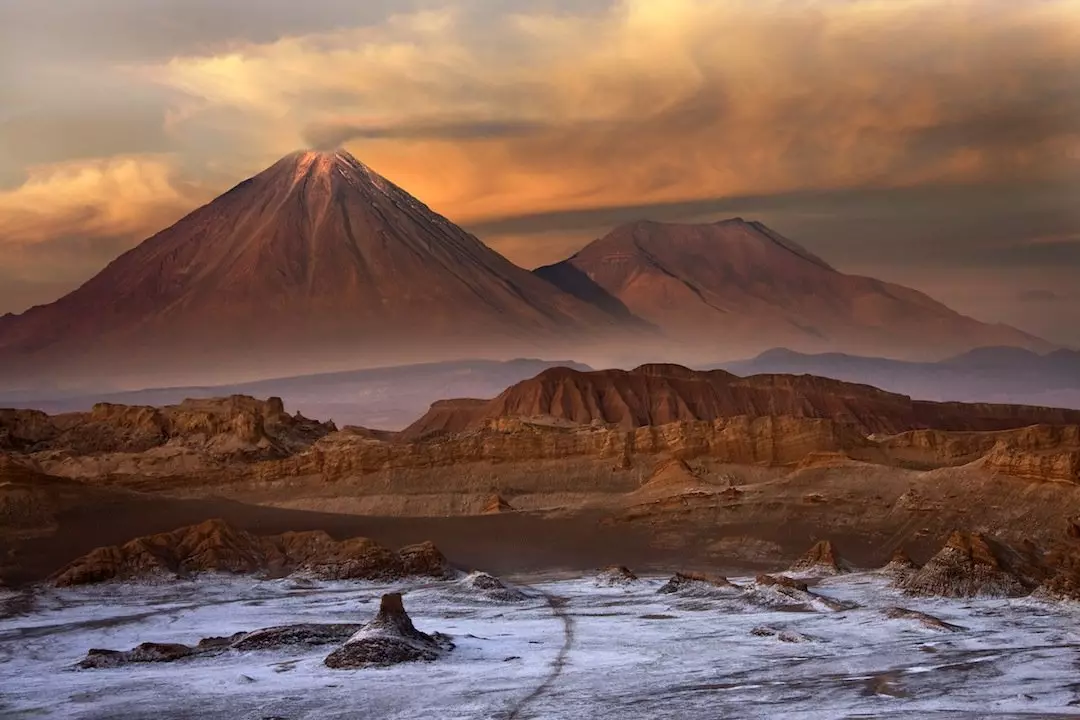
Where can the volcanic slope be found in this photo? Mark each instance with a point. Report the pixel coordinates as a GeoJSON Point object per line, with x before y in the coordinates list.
{"type": "Point", "coordinates": [317, 256]}
{"type": "Point", "coordinates": [739, 286]}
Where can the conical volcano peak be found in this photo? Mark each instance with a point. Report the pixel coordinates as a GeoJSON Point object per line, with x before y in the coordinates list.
{"type": "Point", "coordinates": [324, 162]}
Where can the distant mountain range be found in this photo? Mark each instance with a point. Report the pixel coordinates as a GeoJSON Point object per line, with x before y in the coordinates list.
{"type": "Point", "coordinates": [318, 263]}
{"type": "Point", "coordinates": [990, 374]}
{"type": "Point", "coordinates": [384, 398]}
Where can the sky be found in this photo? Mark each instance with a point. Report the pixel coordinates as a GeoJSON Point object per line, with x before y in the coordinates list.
{"type": "Point", "coordinates": [931, 143]}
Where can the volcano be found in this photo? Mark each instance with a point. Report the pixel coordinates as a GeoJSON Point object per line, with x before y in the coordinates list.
{"type": "Point", "coordinates": [738, 285]}
{"type": "Point", "coordinates": [317, 259]}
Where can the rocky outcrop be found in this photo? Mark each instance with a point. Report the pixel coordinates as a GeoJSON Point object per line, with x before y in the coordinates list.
{"type": "Point", "coordinates": [273, 638]}
{"type": "Point", "coordinates": [696, 584]}
{"type": "Point", "coordinates": [481, 585]}
{"type": "Point", "coordinates": [189, 436]}
{"type": "Point", "coordinates": [742, 440]}
{"type": "Point", "coordinates": [663, 394]}
{"type": "Point", "coordinates": [496, 505]}
{"type": "Point", "coordinates": [308, 634]}
{"type": "Point", "coordinates": [389, 639]}
{"type": "Point", "coordinates": [788, 636]}
{"type": "Point", "coordinates": [971, 565]}
{"type": "Point", "coordinates": [927, 621]}
{"type": "Point", "coordinates": [214, 546]}
{"type": "Point", "coordinates": [820, 560]}
{"type": "Point", "coordinates": [148, 652]}
{"type": "Point", "coordinates": [781, 591]}
{"type": "Point", "coordinates": [900, 566]}
{"type": "Point", "coordinates": [615, 576]}
{"type": "Point", "coordinates": [1042, 453]}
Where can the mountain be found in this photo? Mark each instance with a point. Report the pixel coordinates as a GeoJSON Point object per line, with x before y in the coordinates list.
{"type": "Point", "coordinates": [317, 258]}
{"type": "Point", "coordinates": [387, 398]}
{"type": "Point", "coordinates": [993, 374]}
{"type": "Point", "coordinates": [740, 287]}
{"type": "Point", "coordinates": [654, 395]}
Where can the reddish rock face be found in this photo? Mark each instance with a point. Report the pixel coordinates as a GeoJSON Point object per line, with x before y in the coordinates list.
{"type": "Point", "coordinates": [654, 395]}
{"type": "Point", "coordinates": [756, 289]}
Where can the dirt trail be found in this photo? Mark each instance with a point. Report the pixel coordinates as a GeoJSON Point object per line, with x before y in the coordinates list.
{"type": "Point", "coordinates": [558, 608]}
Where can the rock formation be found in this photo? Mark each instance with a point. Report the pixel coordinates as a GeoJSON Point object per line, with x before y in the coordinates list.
{"type": "Point", "coordinates": [927, 621]}
{"type": "Point", "coordinates": [820, 560]}
{"type": "Point", "coordinates": [971, 565]}
{"type": "Point", "coordinates": [214, 546]}
{"type": "Point", "coordinates": [307, 634]}
{"type": "Point", "coordinates": [781, 591]}
{"type": "Point", "coordinates": [488, 587]}
{"type": "Point", "coordinates": [389, 639]}
{"type": "Point", "coordinates": [788, 636]}
{"type": "Point", "coordinates": [900, 565]}
{"type": "Point", "coordinates": [615, 576]}
{"type": "Point", "coordinates": [174, 438]}
{"type": "Point", "coordinates": [696, 584]}
{"type": "Point", "coordinates": [148, 652]}
{"type": "Point", "coordinates": [653, 395]}
{"type": "Point", "coordinates": [495, 505]}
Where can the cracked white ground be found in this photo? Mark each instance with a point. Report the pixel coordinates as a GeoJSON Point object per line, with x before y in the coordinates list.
{"type": "Point", "coordinates": [574, 650]}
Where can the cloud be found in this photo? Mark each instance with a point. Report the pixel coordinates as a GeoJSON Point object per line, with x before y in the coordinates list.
{"type": "Point", "coordinates": [643, 102]}
{"type": "Point", "coordinates": [69, 219]}
{"type": "Point", "coordinates": [329, 135]}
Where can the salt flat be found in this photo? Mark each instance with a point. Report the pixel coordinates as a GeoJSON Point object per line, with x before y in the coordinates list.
{"type": "Point", "coordinates": [572, 650]}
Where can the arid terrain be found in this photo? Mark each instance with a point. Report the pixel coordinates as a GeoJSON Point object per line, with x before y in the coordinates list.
{"type": "Point", "coordinates": [236, 550]}
{"type": "Point", "coordinates": [705, 467]}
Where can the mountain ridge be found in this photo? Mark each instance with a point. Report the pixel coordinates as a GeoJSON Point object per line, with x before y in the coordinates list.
{"type": "Point", "coordinates": [753, 287]}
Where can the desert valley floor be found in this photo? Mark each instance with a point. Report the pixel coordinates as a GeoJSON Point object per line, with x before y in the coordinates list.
{"type": "Point", "coordinates": [570, 648]}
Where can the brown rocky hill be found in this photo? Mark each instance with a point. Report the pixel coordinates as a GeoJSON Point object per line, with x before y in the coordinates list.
{"type": "Point", "coordinates": [233, 427]}
{"type": "Point", "coordinates": [215, 546]}
{"type": "Point", "coordinates": [654, 395]}
{"type": "Point", "coordinates": [745, 284]}
{"type": "Point", "coordinates": [317, 255]}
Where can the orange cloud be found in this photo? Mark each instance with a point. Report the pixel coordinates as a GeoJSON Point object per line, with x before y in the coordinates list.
{"type": "Point", "coordinates": [667, 101]}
